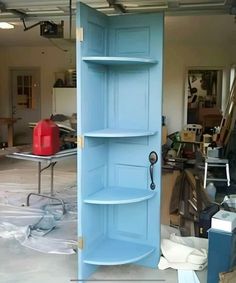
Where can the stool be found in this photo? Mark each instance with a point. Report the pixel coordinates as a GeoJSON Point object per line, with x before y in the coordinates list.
{"type": "Point", "coordinates": [216, 162]}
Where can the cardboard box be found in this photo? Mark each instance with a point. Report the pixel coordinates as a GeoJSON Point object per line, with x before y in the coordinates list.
{"type": "Point", "coordinates": [224, 220]}
{"type": "Point", "coordinates": [175, 219]}
{"type": "Point", "coordinates": [188, 136]}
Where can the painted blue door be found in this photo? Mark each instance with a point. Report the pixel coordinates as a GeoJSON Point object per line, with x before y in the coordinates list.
{"type": "Point", "coordinates": [119, 100]}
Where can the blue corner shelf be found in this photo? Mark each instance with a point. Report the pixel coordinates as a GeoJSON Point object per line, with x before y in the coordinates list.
{"type": "Point", "coordinates": [119, 107]}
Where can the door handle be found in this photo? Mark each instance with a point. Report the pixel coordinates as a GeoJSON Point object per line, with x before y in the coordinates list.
{"type": "Point", "coordinates": [153, 160]}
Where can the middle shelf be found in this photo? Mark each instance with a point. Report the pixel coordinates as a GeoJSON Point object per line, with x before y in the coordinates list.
{"type": "Point", "coordinates": [114, 60]}
{"type": "Point", "coordinates": [118, 195]}
{"type": "Point", "coordinates": [119, 133]}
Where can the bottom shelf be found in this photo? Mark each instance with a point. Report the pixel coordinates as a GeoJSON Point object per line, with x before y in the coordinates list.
{"type": "Point", "coordinates": [115, 252]}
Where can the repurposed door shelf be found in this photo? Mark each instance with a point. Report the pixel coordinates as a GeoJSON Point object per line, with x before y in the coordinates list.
{"type": "Point", "coordinates": [119, 105]}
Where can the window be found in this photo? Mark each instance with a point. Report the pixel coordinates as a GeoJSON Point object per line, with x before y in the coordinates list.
{"type": "Point", "coordinates": [24, 92]}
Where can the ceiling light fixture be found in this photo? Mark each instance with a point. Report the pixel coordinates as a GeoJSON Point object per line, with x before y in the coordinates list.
{"type": "Point", "coordinates": [4, 25]}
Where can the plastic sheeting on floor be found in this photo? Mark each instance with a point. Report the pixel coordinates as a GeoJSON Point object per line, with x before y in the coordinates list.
{"type": "Point", "coordinates": [42, 226]}
{"type": "Point", "coordinates": [32, 236]}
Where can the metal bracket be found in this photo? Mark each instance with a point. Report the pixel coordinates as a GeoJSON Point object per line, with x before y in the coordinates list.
{"type": "Point", "coordinates": [80, 243]}
{"type": "Point", "coordinates": [80, 34]}
{"type": "Point", "coordinates": [80, 141]}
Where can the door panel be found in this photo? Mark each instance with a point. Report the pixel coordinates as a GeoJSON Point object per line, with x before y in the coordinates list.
{"type": "Point", "coordinates": [25, 92]}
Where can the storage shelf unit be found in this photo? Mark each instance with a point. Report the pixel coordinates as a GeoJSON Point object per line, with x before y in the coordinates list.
{"type": "Point", "coordinates": [119, 104]}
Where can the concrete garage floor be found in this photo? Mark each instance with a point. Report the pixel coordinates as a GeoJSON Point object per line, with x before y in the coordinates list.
{"type": "Point", "coordinates": [20, 264]}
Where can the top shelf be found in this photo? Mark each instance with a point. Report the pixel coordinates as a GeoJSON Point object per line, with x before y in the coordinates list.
{"type": "Point", "coordinates": [104, 60]}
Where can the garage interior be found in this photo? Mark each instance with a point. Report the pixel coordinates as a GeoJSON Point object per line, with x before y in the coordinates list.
{"type": "Point", "coordinates": [197, 123]}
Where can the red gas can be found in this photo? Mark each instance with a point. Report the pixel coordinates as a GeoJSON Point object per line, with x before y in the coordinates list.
{"type": "Point", "coordinates": [46, 138]}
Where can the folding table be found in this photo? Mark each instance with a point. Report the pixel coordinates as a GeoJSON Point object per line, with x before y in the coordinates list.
{"type": "Point", "coordinates": [51, 161]}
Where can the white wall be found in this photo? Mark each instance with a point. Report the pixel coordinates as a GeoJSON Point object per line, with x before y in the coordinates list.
{"type": "Point", "coordinates": [49, 59]}
{"type": "Point", "coordinates": [196, 41]}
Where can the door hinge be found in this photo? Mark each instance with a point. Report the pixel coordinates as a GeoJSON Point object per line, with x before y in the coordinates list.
{"type": "Point", "coordinates": [80, 34]}
{"type": "Point", "coordinates": [80, 243]}
{"type": "Point", "coordinates": [80, 141]}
